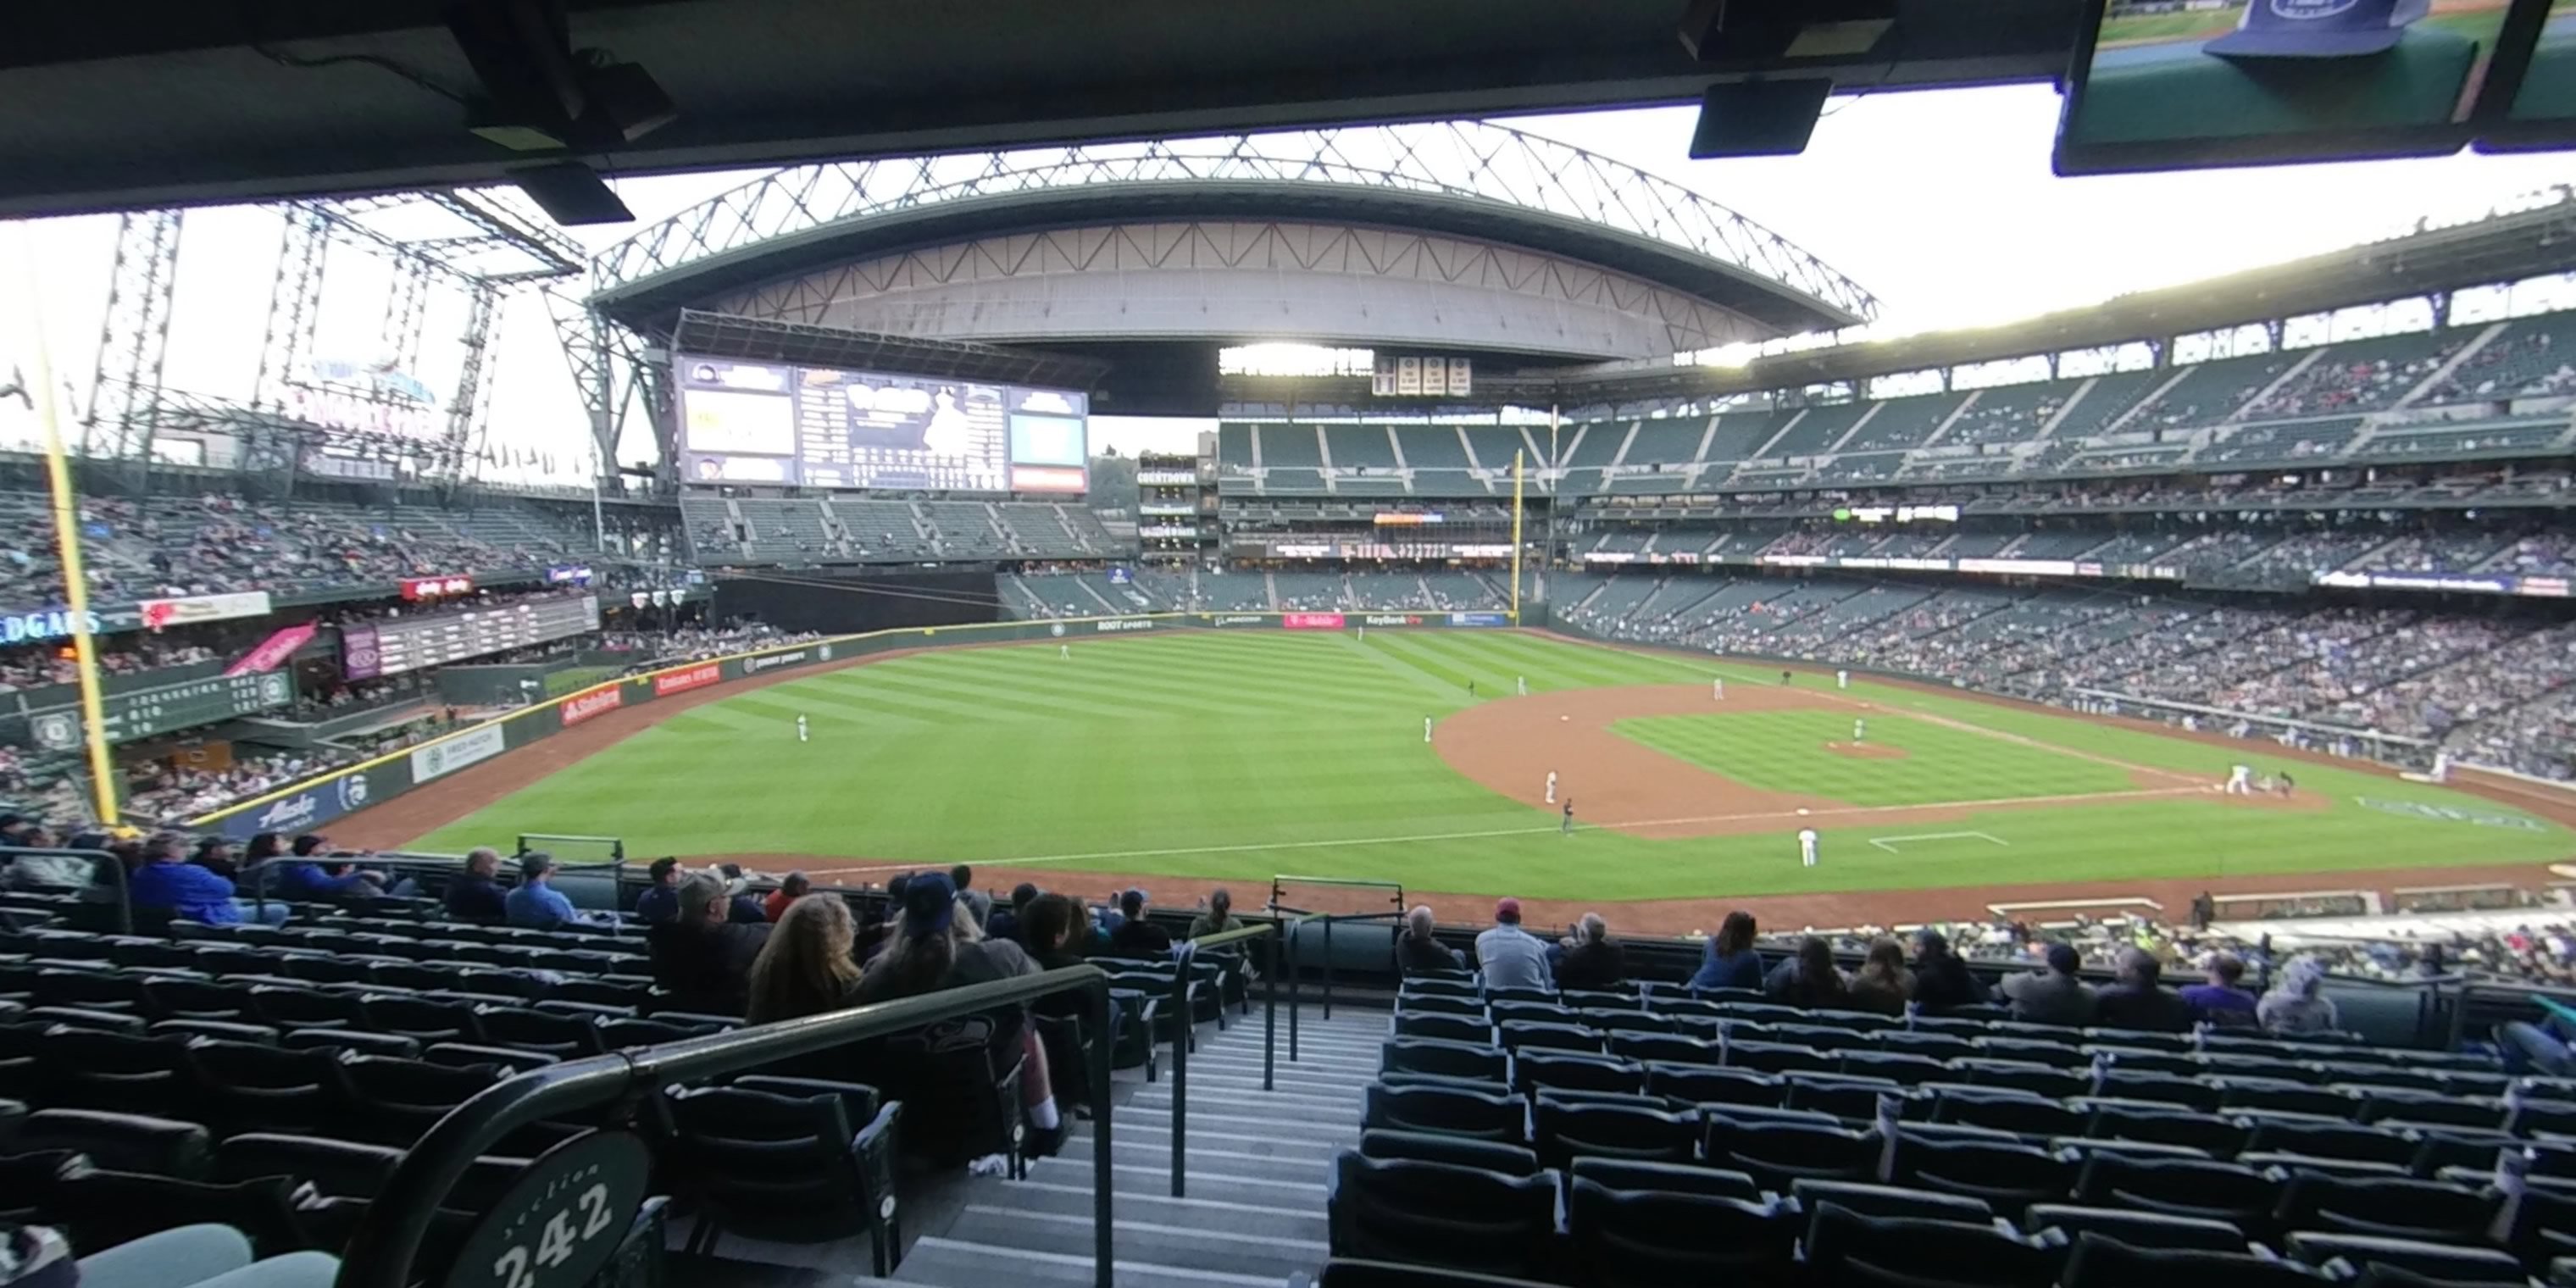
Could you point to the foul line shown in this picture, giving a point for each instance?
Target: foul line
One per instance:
(1625, 826)
(1888, 843)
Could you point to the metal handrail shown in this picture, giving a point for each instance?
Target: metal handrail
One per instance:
(1184, 954)
(388, 1237)
(1296, 923)
(105, 870)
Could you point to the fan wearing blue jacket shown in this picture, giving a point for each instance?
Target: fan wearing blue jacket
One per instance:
(167, 883)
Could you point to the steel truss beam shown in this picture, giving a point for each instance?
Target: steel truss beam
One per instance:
(1467, 160)
(125, 385)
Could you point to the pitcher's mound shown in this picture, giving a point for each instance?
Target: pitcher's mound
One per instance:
(1866, 750)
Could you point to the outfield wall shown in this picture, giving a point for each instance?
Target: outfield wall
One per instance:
(307, 805)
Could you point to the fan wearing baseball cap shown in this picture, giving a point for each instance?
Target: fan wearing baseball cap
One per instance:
(1509, 956)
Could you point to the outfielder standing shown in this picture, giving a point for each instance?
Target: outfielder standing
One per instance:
(1426, 728)
(1807, 847)
(801, 734)
(1842, 679)
(1860, 730)
(1064, 652)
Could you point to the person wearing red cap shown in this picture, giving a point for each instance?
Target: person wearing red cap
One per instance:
(1509, 956)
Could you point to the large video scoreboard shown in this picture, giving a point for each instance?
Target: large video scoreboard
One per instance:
(758, 422)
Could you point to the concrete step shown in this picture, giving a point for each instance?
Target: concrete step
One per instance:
(949, 1263)
(1286, 1080)
(1267, 1185)
(1217, 1099)
(1318, 1147)
(1162, 1209)
(1193, 1241)
(1244, 1157)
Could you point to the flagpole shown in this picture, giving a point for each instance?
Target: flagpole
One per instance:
(1518, 456)
(58, 474)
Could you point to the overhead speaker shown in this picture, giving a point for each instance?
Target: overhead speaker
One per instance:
(1764, 118)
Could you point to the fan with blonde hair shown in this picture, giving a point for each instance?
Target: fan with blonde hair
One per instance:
(807, 966)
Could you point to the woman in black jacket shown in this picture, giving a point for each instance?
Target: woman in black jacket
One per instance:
(1941, 980)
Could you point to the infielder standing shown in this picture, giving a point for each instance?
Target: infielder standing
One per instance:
(1807, 847)
(801, 734)
(1717, 690)
(1522, 683)
(1551, 787)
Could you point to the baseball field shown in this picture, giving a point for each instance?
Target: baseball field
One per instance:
(1231, 757)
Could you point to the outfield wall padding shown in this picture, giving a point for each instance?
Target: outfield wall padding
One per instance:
(846, 605)
(304, 806)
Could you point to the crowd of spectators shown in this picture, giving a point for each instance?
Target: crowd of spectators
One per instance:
(2486, 688)
(177, 793)
(36, 666)
(698, 643)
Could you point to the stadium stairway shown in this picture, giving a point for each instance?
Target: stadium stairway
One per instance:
(1258, 1162)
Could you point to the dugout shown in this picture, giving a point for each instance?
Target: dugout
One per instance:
(850, 604)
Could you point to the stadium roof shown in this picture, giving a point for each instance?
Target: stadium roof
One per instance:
(2532, 241)
(761, 340)
(162, 102)
(1471, 179)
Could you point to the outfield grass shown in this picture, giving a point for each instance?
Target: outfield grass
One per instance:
(1236, 756)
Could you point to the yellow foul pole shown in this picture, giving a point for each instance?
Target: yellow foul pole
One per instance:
(102, 768)
(1517, 456)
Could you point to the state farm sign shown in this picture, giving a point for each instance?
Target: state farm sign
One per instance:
(578, 709)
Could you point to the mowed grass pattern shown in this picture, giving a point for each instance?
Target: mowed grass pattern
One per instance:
(1233, 756)
(1786, 751)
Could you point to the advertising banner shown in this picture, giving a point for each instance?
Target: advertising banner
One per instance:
(310, 808)
(696, 677)
(1311, 621)
(589, 705)
(1391, 619)
(1480, 619)
(448, 755)
(1239, 619)
(271, 653)
(1115, 625)
(188, 610)
(362, 653)
(2434, 581)
(436, 587)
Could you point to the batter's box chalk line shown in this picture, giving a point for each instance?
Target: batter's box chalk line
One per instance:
(1888, 843)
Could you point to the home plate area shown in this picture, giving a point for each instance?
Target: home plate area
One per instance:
(1922, 840)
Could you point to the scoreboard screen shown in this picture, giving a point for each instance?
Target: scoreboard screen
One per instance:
(757, 422)
(136, 714)
(403, 644)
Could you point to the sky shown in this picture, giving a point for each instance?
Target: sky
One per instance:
(1939, 202)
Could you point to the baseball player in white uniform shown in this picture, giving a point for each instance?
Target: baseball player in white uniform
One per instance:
(1842, 679)
(1860, 730)
(802, 734)
(1551, 787)
(1521, 682)
(1064, 652)
(1717, 690)
(2441, 766)
(1426, 728)
(2240, 780)
(1807, 847)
